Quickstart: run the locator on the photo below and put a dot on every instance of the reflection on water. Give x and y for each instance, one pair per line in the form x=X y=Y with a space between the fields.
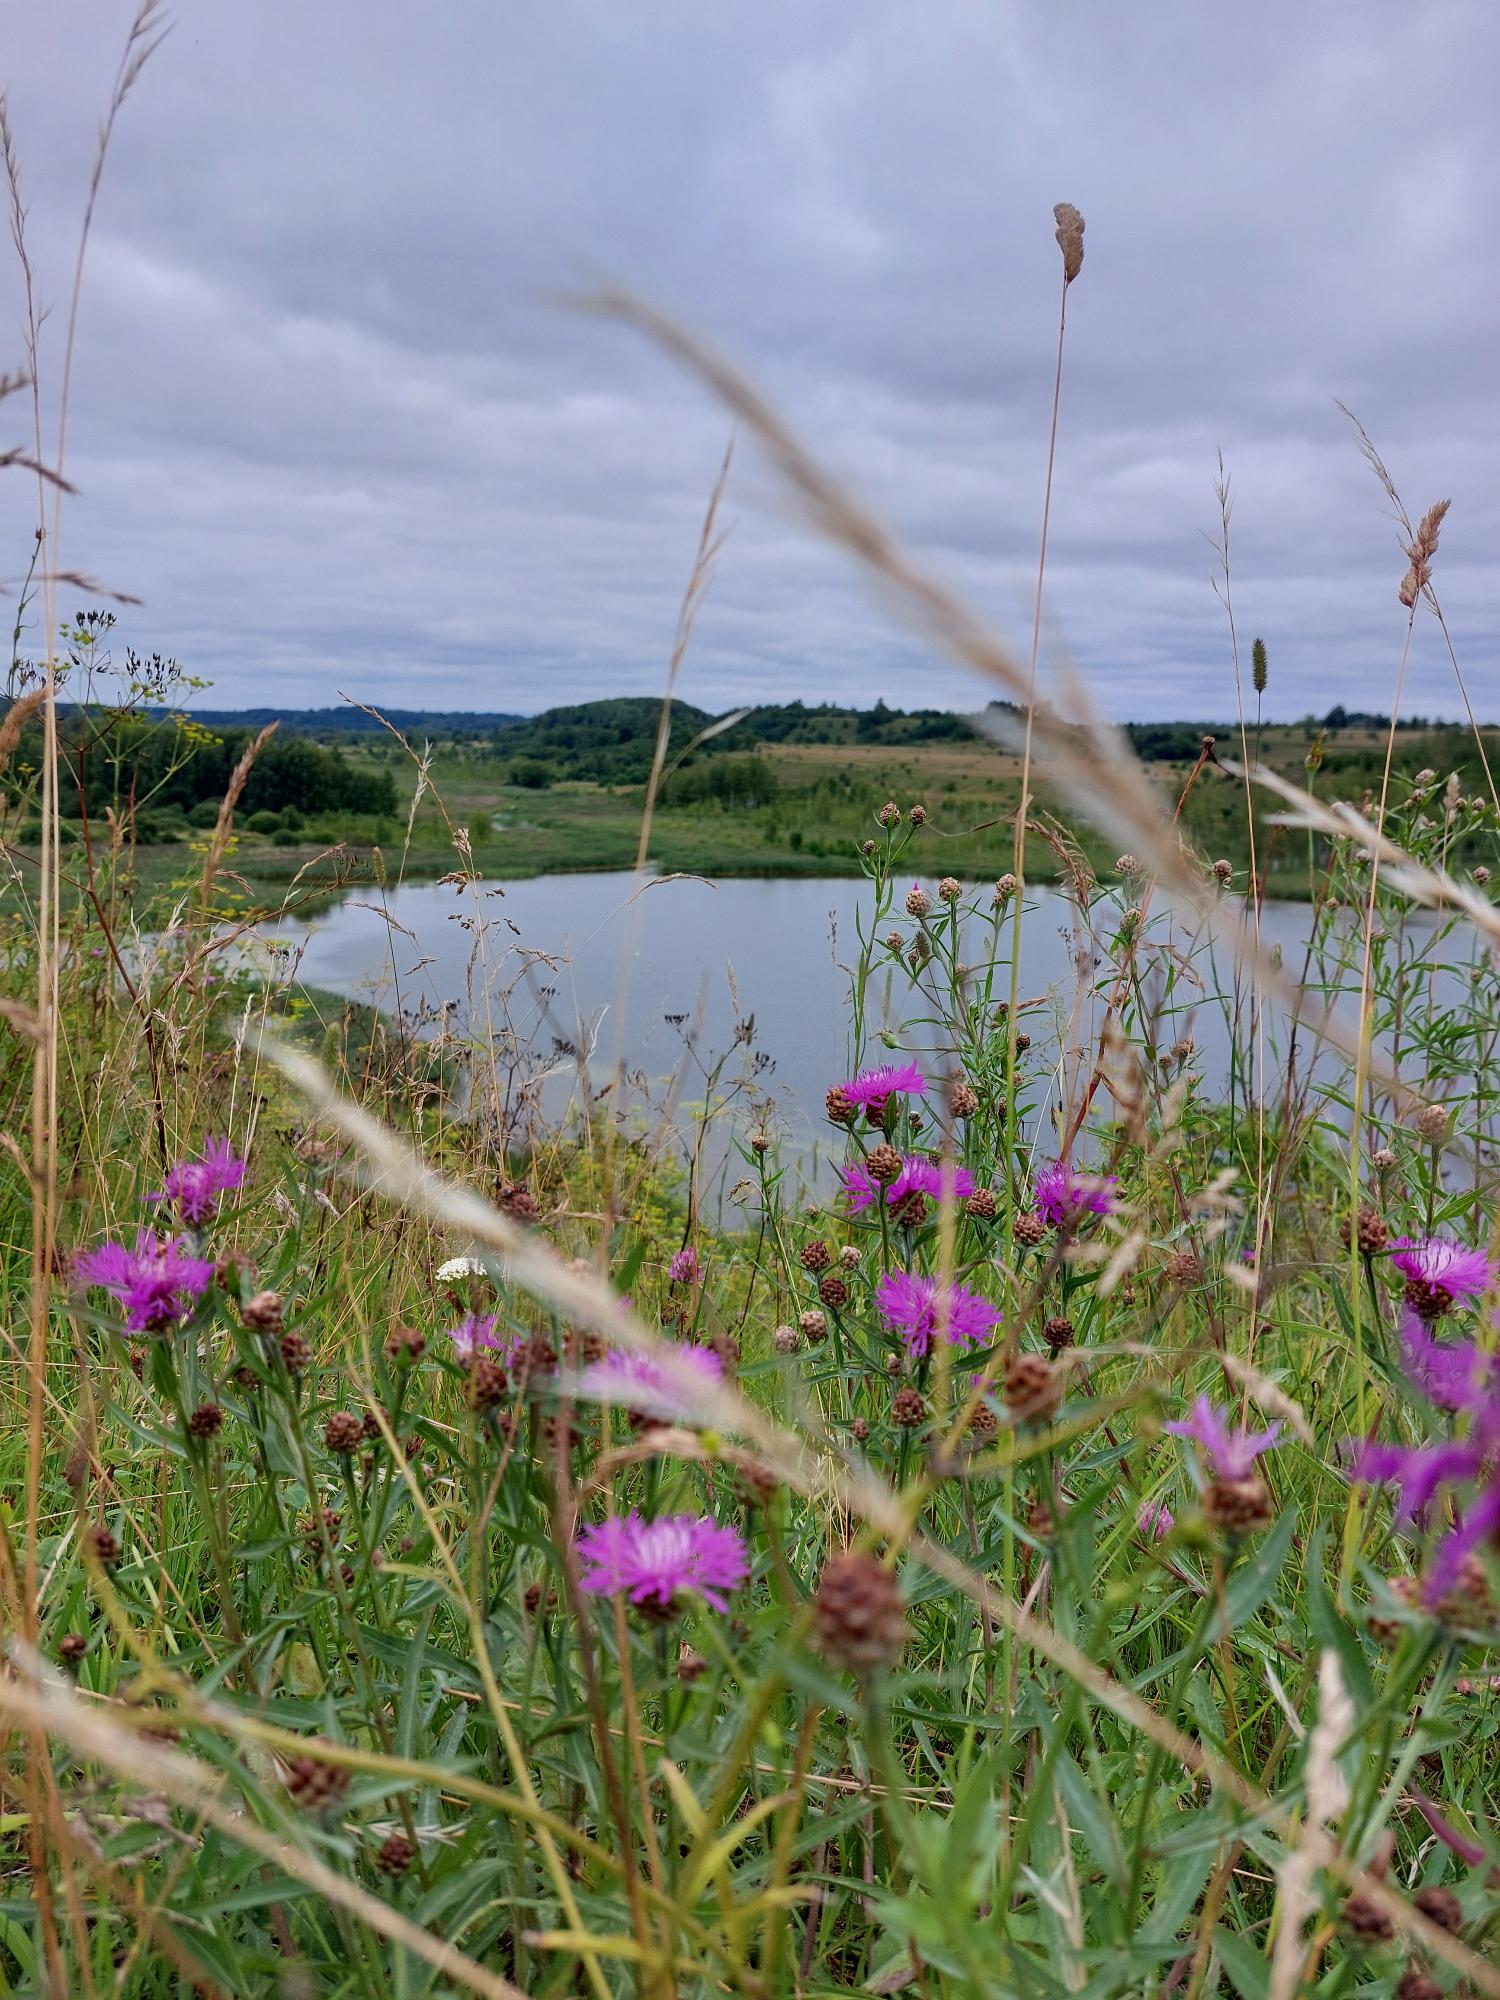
x=670 y=977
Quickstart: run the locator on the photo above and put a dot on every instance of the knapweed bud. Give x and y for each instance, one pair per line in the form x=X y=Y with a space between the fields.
x=405 y=1344
x=786 y=1340
x=1005 y=888
x=1126 y=864
x=838 y=1106
x=918 y=902
x=1365 y=1920
x=918 y=815
x=103 y=1546
x=206 y=1421
x=71 y=1649
x=815 y=1257
x=834 y=1292
x=1239 y=1506
x=1482 y=876
x=344 y=1432
x=263 y=1312
x=1183 y=1267
x=849 y=1256
x=858 y=1620
x=1415 y=1984
x=1033 y=1388
x=395 y=1855
x=1370 y=1232
x=983 y=1424
x=1383 y=1159
x=812 y=1326
x=1223 y=872
x=963 y=1098
x=883 y=1164
x=295 y=1352
x=1384 y=1625
x=312 y=1784
x=488 y=1383
x=1058 y=1333
x=867 y=848
x=907 y=1408
x=1431 y=1124
x=889 y=814
x=981 y=1205
x=1029 y=1230
x=1440 y=1906
x=949 y=889
x=760 y=1142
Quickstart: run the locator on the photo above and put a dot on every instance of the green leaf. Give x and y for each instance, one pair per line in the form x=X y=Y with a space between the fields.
x=1249 y=1974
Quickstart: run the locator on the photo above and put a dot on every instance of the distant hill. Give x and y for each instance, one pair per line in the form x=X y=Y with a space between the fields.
x=353 y=721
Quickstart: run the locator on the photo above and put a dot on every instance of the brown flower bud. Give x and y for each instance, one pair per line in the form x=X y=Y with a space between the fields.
x=963 y=1098
x=907 y=1409
x=206 y=1421
x=343 y=1432
x=889 y=814
x=103 y=1546
x=918 y=902
x=815 y=1257
x=858 y=1620
x=1431 y=1123
x=812 y=1326
x=786 y=1340
x=981 y=1205
x=840 y=1110
x=295 y=1352
x=1414 y=1984
x=405 y=1344
x=71 y=1648
x=395 y=1855
x=918 y=815
x=1183 y=1267
x=883 y=1164
x=949 y=890
x=834 y=1292
x=1033 y=1388
x=859 y=1430
x=1058 y=1333
x=312 y=1783
x=1441 y=1907
x=488 y=1383
x=1239 y=1506
x=1365 y=1920
x=263 y=1312
x=1030 y=1229
x=1223 y=872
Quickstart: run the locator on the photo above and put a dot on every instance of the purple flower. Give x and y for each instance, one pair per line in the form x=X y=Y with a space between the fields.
x=917 y=1176
x=872 y=1089
x=651 y=1561
x=917 y=1308
x=1457 y=1378
x=195 y=1185
x=684 y=1268
x=1064 y=1197
x=655 y=1386
x=1232 y=1454
x=1440 y=1262
x=1155 y=1519
x=472 y=1333
x=158 y=1283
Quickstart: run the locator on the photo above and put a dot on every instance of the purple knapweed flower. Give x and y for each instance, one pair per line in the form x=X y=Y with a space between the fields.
x=195 y=1185
x=158 y=1282
x=1156 y=1520
x=1460 y=1379
x=650 y=1384
x=684 y=1268
x=872 y=1090
x=917 y=1176
x=651 y=1561
x=1438 y=1265
x=473 y=1334
x=1232 y=1454
x=1064 y=1197
x=917 y=1308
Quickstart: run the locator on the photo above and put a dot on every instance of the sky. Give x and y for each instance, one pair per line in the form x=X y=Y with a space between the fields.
x=335 y=422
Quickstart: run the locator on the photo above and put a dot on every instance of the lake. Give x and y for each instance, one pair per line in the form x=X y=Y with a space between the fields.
x=670 y=976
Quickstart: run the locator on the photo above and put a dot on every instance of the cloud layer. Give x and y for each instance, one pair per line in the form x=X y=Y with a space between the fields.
x=333 y=425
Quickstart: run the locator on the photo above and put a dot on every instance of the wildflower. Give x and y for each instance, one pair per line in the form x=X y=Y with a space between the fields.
x=1231 y=1454
x=1156 y=1520
x=684 y=1268
x=1063 y=1197
x=917 y=1308
x=872 y=1090
x=1439 y=1272
x=472 y=1333
x=1235 y=1498
x=195 y=1185
x=158 y=1283
x=458 y=1267
x=650 y=1562
x=915 y=1176
x=657 y=1387
x=1460 y=1378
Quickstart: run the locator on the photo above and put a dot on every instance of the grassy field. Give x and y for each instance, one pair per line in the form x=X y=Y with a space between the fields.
x=819 y=818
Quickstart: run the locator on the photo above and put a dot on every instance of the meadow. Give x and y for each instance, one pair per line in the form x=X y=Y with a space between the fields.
x=436 y=1559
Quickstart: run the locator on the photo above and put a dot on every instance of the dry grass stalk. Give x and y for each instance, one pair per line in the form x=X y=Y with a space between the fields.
x=218 y=846
x=1069 y=239
x=1420 y=552
x=17 y=716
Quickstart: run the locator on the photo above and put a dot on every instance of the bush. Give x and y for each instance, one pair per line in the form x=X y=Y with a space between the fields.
x=263 y=822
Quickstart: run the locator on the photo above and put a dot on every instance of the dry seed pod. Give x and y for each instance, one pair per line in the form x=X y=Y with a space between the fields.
x=1070 y=226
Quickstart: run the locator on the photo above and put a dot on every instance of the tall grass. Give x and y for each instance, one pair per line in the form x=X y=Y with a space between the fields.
x=315 y=1678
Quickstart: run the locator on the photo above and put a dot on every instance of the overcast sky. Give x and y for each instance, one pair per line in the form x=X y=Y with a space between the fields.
x=332 y=426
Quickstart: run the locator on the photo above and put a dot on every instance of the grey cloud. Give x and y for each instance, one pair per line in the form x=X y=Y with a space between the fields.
x=333 y=425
